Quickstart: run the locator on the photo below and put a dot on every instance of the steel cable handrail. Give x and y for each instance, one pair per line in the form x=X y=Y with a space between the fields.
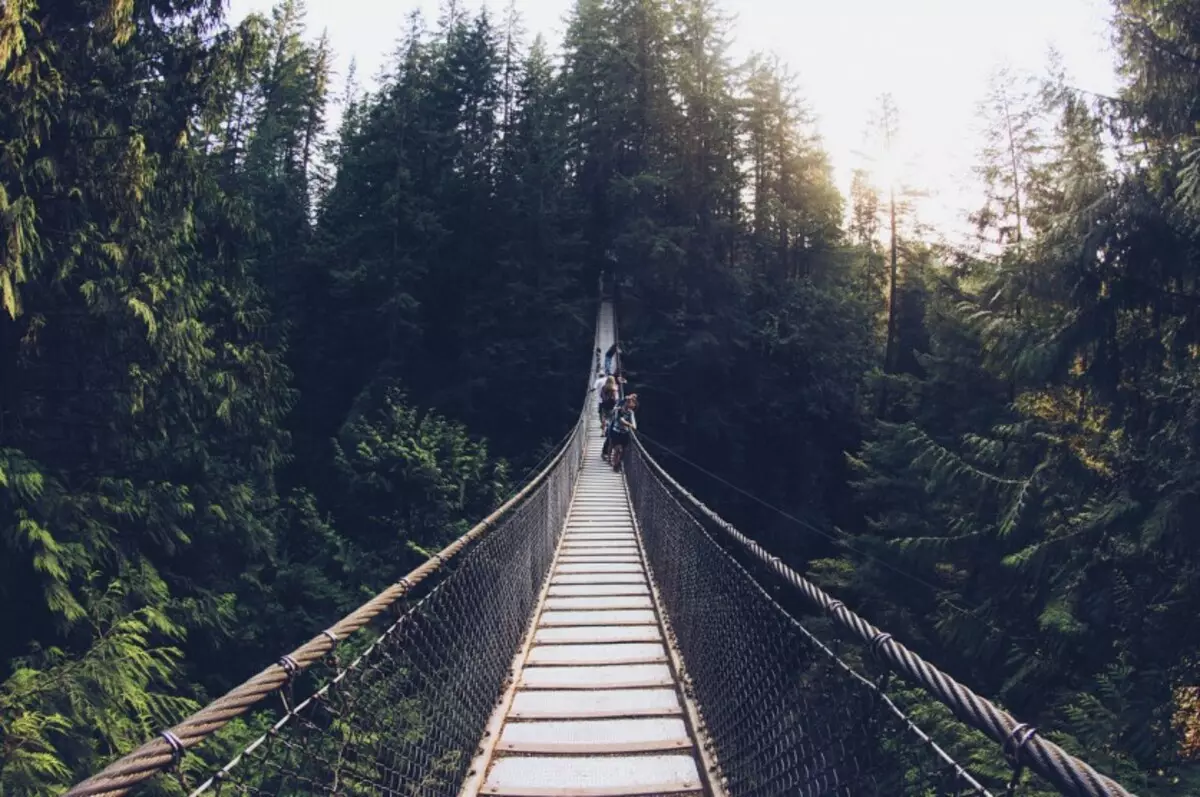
x=159 y=754
x=164 y=752
x=1022 y=745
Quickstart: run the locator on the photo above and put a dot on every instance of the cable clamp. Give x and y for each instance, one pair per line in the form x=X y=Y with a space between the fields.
x=877 y=643
x=1015 y=743
x=290 y=666
x=834 y=605
x=291 y=669
x=332 y=636
x=176 y=746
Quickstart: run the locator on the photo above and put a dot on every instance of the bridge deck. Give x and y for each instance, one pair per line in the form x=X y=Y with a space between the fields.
x=595 y=708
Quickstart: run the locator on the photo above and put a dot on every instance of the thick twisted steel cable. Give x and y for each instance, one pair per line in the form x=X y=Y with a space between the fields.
x=1021 y=743
x=780 y=712
x=164 y=751
x=160 y=753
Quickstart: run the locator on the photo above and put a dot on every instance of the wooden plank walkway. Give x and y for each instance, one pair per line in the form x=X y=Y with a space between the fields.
x=595 y=707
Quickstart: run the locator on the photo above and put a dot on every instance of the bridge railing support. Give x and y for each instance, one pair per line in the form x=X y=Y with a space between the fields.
x=722 y=610
x=782 y=712
x=410 y=706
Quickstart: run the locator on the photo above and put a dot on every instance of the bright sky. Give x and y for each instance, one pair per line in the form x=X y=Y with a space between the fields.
x=934 y=56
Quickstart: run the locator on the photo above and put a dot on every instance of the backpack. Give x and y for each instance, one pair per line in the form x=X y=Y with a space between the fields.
x=614 y=425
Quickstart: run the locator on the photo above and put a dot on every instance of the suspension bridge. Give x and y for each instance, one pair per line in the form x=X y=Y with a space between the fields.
x=600 y=633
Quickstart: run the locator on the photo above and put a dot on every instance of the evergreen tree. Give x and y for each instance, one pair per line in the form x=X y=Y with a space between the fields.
x=886 y=124
x=864 y=231
x=1041 y=501
x=894 y=257
x=141 y=414
x=1011 y=114
x=249 y=367
x=144 y=412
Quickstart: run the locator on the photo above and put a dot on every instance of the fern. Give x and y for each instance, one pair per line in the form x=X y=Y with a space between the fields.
x=108 y=700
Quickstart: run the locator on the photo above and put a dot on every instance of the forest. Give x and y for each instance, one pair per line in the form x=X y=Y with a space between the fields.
x=255 y=364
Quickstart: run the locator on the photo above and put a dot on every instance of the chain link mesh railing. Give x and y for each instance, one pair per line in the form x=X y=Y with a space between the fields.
x=401 y=713
x=784 y=715
x=405 y=715
x=787 y=715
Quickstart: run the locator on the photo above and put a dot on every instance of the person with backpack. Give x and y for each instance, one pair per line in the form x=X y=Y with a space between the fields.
x=609 y=393
x=620 y=428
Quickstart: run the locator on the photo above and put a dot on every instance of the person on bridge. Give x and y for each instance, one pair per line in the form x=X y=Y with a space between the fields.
x=610 y=392
x=610 y=399
x=612 y=352
x=619 y=428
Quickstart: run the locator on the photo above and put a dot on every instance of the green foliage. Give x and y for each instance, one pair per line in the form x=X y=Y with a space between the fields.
x=410 y=482
x=223 y=330
x=57 y=709
x=157 y=229
x=1022 y=520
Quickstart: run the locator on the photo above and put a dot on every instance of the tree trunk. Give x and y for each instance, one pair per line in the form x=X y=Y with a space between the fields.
x=889 y=354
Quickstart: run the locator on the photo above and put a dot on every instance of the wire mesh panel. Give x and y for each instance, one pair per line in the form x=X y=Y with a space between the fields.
x=406 y=716
x=783 y=713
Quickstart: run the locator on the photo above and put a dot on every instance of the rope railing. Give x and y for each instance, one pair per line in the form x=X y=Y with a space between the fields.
x=655 y=492
x=781 y=712
x=418 y=696
x=516 y=544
